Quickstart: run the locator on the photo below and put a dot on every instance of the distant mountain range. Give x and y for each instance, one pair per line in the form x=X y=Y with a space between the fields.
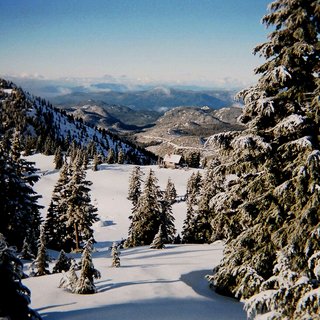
x=157 y=99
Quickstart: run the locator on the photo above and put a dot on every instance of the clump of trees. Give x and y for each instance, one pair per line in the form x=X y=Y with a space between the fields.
x=70 y=214
x=151 y=208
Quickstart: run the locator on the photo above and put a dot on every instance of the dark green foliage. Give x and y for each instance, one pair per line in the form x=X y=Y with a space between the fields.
x=269 y=211
x=63 y=263
x=55 y=229
x=80 y=214
x=16 y=298
x=158 y=241
x=85 y=283
x=40 y=264
x=58 y=158
x=134 y=191
x=146 y=214
x=19 y=208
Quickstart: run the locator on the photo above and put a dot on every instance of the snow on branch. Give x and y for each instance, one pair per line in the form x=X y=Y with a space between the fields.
x=250 y=142
x=289 y=124
x=221 y=140
x=309 y=303
x=280 y=74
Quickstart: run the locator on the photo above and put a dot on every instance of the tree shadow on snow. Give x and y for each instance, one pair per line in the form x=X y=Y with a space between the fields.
x=112 y=285
x=197 y=281
x=157 y=309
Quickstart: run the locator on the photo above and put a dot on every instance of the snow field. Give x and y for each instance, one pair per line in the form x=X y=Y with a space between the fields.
x=150 y=284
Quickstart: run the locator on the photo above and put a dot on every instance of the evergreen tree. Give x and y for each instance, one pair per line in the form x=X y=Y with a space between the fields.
x=85 y=284
x=167 y=220
x=170 y=192
x=70 y=279
x=270 y=213
x=95 y=162
x=146 y=215
x=115 y=254
x=190 y=230
x=121 y=156
x=41 y=262
x=19 y=203
x=26 y=252
x=58 y=158
x=134 y=192
x=111 y=156
x=55 y=229
x=63 y=263
x=16 y=298
x=80 y=214
x=158 y=241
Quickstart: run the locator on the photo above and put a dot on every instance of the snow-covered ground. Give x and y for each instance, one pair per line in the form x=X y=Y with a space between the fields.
x=150 y=284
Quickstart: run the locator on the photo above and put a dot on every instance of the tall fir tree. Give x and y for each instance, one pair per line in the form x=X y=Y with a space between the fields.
x=135 y=181
x=20 y=211
x=167 y=220
x=58 y=158
x=189 y=229
x=270 y=213
x=55 y=229
x=41 y=264
x=170 y=192
x=145 y=219
x=80 y=214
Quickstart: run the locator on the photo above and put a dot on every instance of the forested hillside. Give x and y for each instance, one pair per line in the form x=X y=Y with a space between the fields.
x=43 y=128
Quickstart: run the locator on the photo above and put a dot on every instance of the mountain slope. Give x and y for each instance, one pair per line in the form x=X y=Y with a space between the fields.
x=187 y=128
x=43 y=127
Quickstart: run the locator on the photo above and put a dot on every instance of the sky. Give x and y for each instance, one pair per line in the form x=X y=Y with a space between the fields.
x=181 y=41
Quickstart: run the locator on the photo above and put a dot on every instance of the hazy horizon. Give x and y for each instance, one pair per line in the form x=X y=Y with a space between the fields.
x=205 y=43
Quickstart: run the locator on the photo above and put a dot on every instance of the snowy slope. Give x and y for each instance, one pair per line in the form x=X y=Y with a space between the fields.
x=150 y=284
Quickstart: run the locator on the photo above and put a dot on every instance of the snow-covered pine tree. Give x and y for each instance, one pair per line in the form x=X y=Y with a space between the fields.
x=63 y=263
x=170 y=192
x=201 y=222
x=20 y=211
x=80 y=214
x=111 y=157
x=41 y=262
x=135 y=181
x=15 y=300
x=26 y=251
x=189 y=229
x=273 y=205
x=95 y=162
x=121 y=156
x=145 y=219
x=55 y=228
x=115 y=254
x=167 y=220
x=85 y=283
x=158 y=241
x=58 y=158
x=69 y=279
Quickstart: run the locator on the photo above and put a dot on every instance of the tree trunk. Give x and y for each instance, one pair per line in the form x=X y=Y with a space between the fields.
x=77 y=237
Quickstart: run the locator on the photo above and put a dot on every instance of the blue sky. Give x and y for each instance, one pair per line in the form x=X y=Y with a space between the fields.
x=187 y=41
